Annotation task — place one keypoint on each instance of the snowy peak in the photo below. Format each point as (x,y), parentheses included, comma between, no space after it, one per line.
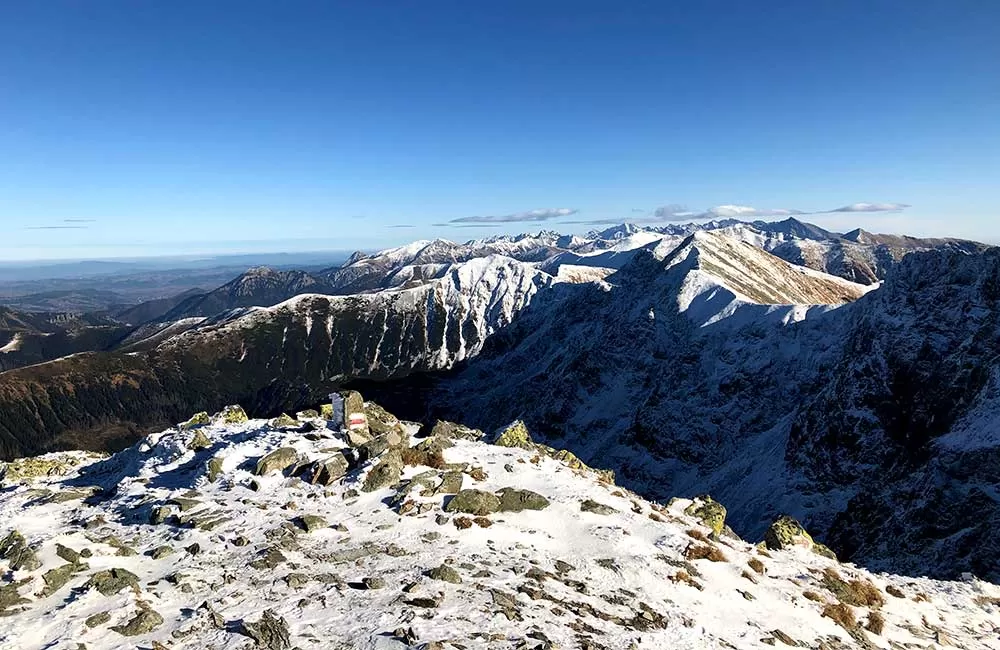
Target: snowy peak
(725,272)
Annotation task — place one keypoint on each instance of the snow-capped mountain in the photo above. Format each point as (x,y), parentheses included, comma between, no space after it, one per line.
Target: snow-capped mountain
(870,421)
(230,533)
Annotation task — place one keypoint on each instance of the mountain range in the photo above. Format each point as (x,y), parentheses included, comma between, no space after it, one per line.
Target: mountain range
(847,379)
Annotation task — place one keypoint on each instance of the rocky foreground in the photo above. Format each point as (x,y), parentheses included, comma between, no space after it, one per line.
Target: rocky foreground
(301,532)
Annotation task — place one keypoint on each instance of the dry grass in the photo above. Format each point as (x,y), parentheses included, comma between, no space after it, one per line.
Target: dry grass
(859,593)
(462,523)
(842,615)
(876,623)
(478,474)
(694,533)
(756,565)
(685,577)
(813,596)
(430,458)
(985,601)
(749,576)
(895,592)
(483,522)
(707,552)
(656,517)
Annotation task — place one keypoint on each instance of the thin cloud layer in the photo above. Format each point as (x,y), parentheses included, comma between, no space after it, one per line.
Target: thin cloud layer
(532,216)
(872,207)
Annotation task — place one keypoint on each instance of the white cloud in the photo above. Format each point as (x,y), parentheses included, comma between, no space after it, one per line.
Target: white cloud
(520,217)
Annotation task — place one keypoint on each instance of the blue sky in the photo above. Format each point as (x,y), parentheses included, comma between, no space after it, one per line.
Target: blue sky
(132,128)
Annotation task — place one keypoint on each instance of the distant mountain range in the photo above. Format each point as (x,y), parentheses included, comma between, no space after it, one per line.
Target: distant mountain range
(848,379)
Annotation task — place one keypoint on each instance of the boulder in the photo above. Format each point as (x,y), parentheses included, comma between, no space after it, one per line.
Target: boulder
(285,421)
(54,579)
(349,412)
(14,548)
(382,422)
(199,441)
(142,623)
(199,419)
(454,431)
(9,597)
(386,474)
(474,502)
(213,469)
(311,523)
(445,573)
(277,461)
(513,500)
(110,581)
(514,434)
(786,532)
(232,414)
(597,508)
(308,414)
(327,470)
(709,512)
(270,632)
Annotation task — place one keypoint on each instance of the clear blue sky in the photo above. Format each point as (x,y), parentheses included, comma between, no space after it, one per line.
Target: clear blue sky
(211,126)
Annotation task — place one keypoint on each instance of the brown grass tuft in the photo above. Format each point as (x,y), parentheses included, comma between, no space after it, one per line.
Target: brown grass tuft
(813,596)
(462,523)
(895,591)
(756,565)
(859,593)
(876,623)
(655,517)
(685,577)
(483,522)
(694,533)
(842,615)
(696,552)
(414,457)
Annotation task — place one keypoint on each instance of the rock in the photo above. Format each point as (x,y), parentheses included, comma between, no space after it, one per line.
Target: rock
(451,483)
(159,515)
(474,502)
(327,470)
(55,578)
(513,500)
(199,441)
(232,414)
(445,573)
(14,548)
(296,580)
(214,469)
(786,532)
(9,596)
(374,582)
(453,431)
(160,552)
(98,619)
(193,549)
(277,461)
(307,414)
(184,504)
(311,523)
(326,411)
(110,581)
(386,473)
(709,512)
(514,434)
(142,623)
(285,421)
(596,508)
(199,419)
(67,554)
(350,407)
(25,469)
(382,422)
(270,632)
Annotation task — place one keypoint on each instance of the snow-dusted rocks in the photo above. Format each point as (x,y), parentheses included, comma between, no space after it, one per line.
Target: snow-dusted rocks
(292,564)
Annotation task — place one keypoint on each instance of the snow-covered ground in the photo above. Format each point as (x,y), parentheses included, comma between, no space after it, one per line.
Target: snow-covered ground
(559,577)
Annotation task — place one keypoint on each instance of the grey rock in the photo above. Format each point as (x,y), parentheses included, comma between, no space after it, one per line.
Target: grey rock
(445,573)
(55,578)
(311,523)
(270,632)
(277,461)
(160,552)
(142,623)
(386,473)
(110,581)
(474,502)
(597,508)
(514,500)
(98,619)
(374,582)
(14,548)
(328,470)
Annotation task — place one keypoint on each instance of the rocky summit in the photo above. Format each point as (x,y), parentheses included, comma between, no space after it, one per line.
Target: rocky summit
(233,533)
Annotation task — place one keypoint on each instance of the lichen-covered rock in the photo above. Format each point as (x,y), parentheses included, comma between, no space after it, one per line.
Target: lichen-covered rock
(514,434)
(142,623)
(270,632)
(326,411)
(311,523)
(285,421)
(597,508)
(453,431)
(110,581)
(277,461)
(786,532)
(199,441)
(382,422)
(474,502)
(14,548)
(9,596)
(445,573)
(98,619)
(54,579)
(199,419)
(327,470)
(386,474)
(308,414)
(213,469)
(514,500)
(709,512)
(232,414)
(25,469)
